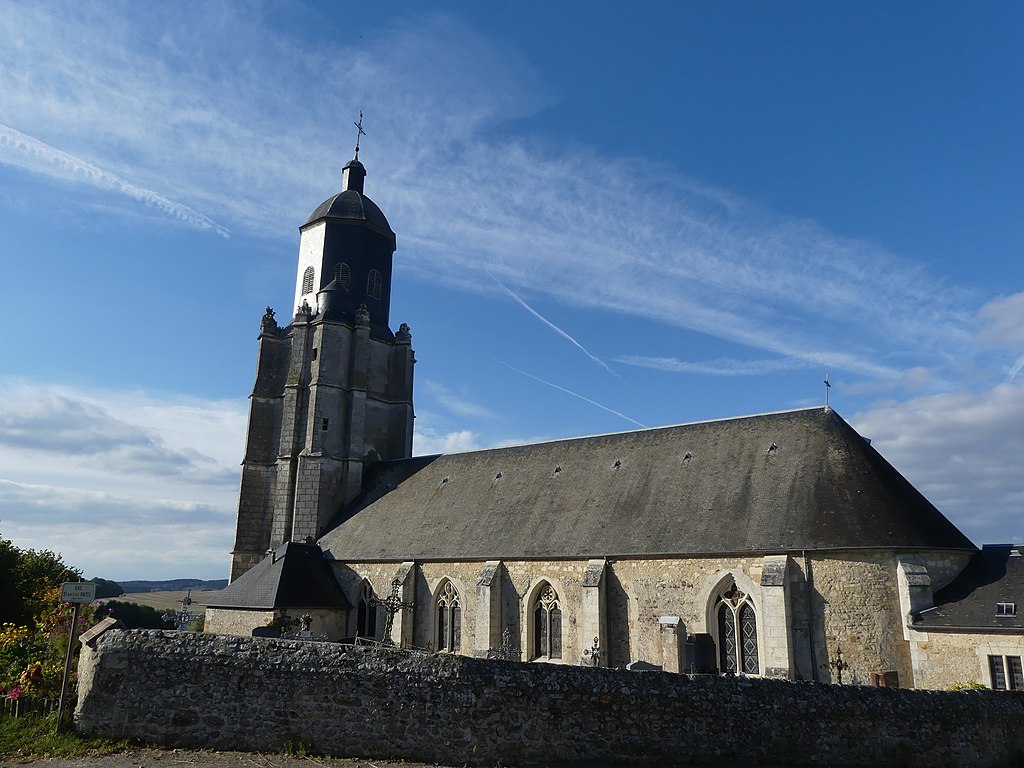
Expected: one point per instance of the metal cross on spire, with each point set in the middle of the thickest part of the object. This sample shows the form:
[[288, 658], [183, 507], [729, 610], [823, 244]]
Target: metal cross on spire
[[827, 388], [359, 132]]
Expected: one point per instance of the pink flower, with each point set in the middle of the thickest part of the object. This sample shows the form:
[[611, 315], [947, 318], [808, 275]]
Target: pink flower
[[13, 693]]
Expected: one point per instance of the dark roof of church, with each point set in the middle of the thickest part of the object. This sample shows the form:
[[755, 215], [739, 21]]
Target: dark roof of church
[[791, 481], [352, 205], [994, 575], [296, 576]]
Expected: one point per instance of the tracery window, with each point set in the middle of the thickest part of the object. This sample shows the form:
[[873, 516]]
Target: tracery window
[[366, 613], [374, 284], [449, 619], [307, 280], [737, 632], [547, 624], [343, 274]]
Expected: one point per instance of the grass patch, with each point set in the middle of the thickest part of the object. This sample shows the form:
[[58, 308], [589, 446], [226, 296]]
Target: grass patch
[[32, 736]]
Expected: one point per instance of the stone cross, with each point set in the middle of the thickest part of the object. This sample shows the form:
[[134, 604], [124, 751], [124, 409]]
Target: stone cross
[[592, 656], [391, 604], [184, 617]]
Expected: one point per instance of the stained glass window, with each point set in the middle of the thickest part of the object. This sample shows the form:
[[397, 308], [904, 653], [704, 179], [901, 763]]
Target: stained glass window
[[449, 619], [547, 625], [737, 632]]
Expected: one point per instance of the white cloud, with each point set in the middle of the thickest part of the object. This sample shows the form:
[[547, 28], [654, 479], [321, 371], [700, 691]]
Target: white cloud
[[963, 451], [144, 99], [146, 493], [1002, 321], [457, 404], [427, 441]]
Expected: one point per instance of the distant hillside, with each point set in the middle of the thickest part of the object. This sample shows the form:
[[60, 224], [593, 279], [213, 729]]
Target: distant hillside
[[171, 585]]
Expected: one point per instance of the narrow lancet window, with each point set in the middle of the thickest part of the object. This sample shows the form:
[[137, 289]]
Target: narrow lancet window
[[449, 619], [547, 625]]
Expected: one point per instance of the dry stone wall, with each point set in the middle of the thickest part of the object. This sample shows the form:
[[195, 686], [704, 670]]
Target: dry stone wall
[[222, 692]]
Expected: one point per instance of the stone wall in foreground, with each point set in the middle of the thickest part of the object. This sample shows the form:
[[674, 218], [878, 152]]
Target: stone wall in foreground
[[221, 692]]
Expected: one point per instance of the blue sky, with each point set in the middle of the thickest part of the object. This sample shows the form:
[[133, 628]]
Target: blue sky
[[605, 219]]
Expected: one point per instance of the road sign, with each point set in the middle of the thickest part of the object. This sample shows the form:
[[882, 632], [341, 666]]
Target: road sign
[[78, 592]]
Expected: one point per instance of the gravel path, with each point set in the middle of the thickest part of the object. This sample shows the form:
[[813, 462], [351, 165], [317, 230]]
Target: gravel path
[[181, 758]]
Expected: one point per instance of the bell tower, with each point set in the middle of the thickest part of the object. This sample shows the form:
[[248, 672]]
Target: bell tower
[[333, 389]]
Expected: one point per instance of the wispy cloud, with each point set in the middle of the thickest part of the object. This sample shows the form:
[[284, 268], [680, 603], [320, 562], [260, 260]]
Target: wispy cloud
[[722, 366], [19, 149], [574, 394], [150, 98], [521, 302]]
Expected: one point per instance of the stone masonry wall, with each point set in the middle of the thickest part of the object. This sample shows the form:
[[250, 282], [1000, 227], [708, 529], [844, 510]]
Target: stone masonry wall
[[261, 694]]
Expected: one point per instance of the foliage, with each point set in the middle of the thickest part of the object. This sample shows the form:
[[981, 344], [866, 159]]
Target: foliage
[[106, 588], [26, 575], [970, 685], [135, 616], [28, 737], [32, 660]]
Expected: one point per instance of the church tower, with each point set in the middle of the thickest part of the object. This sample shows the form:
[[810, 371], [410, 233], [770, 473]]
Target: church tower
[[333, 390]]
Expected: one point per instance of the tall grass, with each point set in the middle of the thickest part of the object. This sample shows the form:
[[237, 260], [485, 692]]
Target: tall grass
[[33, 737]]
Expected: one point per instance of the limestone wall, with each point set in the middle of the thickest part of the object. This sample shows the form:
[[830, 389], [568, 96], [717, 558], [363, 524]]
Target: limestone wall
[[260, 694], [945, 659]]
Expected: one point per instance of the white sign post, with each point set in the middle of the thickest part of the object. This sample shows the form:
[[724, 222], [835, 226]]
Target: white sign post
[[75, 592]]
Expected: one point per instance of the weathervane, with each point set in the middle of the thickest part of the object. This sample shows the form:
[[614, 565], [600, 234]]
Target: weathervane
[[360, 132], [827, 388]]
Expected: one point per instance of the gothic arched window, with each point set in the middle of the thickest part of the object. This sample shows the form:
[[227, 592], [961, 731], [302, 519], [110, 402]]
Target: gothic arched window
[[547, 625], [307, 280], [737, 632], [366, 613], [449, 619], [374, 284], [343, 274]]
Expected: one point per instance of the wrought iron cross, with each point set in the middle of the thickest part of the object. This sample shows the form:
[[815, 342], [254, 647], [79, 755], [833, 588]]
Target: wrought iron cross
[[839, 665], [592, 656], [359, 132], [391, 604], [827, 388]]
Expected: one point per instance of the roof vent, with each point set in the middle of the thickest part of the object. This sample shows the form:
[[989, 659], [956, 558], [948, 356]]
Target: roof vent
[[773, 447], [557, 469], [444, 480], [498, 476], [1015, 552], [617, 464], [688, 456]]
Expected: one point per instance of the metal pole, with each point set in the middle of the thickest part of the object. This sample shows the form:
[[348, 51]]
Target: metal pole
[[67, 667]]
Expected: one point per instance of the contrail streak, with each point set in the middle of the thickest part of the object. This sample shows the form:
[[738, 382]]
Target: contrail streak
[[552, 326], [76, 167], [574, 394], [1015, 370]]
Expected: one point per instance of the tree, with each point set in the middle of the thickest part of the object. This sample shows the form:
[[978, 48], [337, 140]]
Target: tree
[[134, 616], [106, 588]]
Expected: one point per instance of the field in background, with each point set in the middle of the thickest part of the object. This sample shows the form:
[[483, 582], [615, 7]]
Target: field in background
[[169, 600]]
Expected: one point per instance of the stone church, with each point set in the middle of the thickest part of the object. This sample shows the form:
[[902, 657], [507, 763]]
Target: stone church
[[779, 544]]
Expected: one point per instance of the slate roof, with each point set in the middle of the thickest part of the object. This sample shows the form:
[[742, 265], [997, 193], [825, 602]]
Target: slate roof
[[352, 205], [791, 481], [297, 576], [994, 575]]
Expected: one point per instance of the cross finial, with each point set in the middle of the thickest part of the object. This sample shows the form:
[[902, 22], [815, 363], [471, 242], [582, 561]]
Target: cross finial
[[359, 132], [827, 388]]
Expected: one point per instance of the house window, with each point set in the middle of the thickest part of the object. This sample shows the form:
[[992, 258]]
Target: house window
[[1006, 609], [343, 274], [1006, 673], [307, 280], [366, 613], [737, 632], [374, 284], [547, 625], [449, 619]]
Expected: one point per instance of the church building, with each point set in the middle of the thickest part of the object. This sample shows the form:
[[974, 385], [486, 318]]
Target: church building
[[780, 544]]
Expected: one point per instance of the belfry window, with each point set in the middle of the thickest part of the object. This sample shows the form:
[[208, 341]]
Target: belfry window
[[374, 284], [449, 619], [307, 280], [343, 274], [366, 613], [547, 625], [737, 632]]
